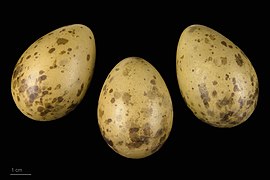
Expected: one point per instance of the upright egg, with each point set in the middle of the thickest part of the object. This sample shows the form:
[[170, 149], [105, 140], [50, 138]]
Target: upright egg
[[135, 112], [53, 74], [216, 79]]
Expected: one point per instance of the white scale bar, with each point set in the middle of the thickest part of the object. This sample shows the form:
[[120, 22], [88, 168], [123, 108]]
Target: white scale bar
[[19, 174]]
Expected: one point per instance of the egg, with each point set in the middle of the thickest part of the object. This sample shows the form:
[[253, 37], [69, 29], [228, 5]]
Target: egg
[[135, 112], [53, 74], [216, 79]]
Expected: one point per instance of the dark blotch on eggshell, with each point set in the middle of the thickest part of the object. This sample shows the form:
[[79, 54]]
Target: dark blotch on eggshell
[[238, 59], [204, 94], [136, 139], [62, 41]]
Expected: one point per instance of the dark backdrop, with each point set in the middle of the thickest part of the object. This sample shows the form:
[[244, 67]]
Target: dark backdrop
[[73, 145]]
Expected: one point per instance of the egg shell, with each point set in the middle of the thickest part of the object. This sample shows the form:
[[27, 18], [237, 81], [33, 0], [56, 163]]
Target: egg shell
[[216, 79], [135, 112], [53, 74]]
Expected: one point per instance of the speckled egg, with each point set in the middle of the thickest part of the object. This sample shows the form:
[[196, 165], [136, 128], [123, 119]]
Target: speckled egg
[[216, 79], [52, 76], [135, 112]]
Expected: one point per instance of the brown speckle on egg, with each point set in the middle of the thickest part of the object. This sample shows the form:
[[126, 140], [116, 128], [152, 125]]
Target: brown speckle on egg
[[42, 78], [153, 82], [226, 101], [40, 109], [54, 65], [204, 94], [111, 79], [224, 117], [108, 121], [112, 100], [227, 77], [23, 87], [236, 88], [17, 71], [223, 60], [126, 98], [146, 112], [62, 52], [101, 112], [60, 99], [136, 139], [61, 41], [51, 50], [80, 90], [54, 100], [126, 71], [41, 72], [58, 86], [238, 60], [224, 43], [44, 93], [214, 93]]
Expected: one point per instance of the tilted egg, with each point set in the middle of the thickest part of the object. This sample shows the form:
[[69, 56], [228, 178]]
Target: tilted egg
[[216, 79], [52, 76]]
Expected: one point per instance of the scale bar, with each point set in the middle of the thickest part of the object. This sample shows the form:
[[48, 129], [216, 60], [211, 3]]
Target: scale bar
[[20, 174]]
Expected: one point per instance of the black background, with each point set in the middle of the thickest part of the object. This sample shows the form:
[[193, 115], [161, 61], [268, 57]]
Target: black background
[[73, 145]]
